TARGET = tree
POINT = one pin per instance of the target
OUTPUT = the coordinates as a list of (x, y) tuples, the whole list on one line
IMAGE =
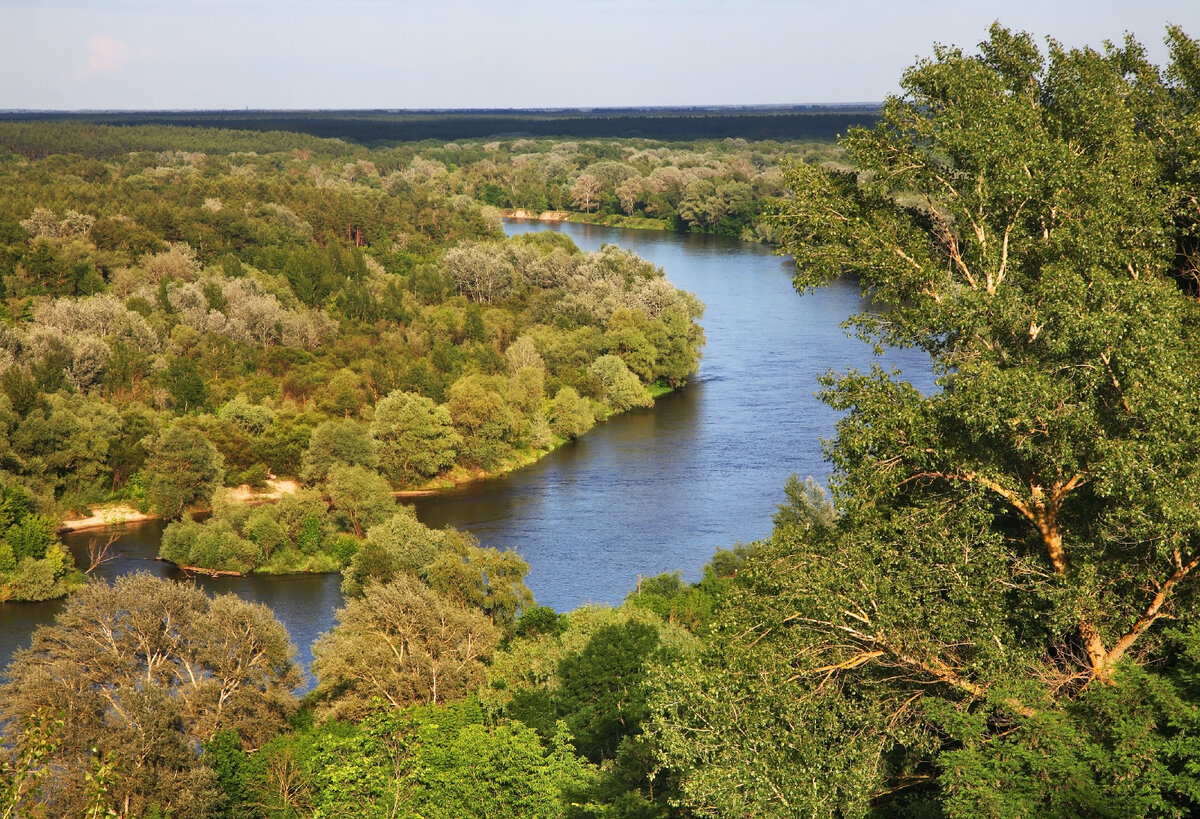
[(585, 678), (523, 353), (414, 437), (462, 766), (34, 564), (432, 761), (185, 384), (347, 442), (403, 643), (630, 192), (480, 270), (1012, 542), (807, 506), (622, 389), (570, 415), (142, 672), (449, 561), (358, 496), (483, 420), (214, 544), (182, 468), (584, 191), (20, 776)]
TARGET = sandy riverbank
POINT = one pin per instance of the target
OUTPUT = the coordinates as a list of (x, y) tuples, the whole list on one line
[(118, 514)]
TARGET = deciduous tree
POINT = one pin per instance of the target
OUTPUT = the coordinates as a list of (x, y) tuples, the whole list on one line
[(142, 672), (1009, 545), (403, 643), (414, 437), (182, 468)]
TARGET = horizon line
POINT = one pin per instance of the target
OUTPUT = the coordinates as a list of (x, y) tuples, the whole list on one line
[(474, 109)]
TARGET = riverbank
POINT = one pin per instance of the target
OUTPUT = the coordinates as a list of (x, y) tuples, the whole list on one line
[(107, 515), (461, 475), (104, 516), (605, 220)]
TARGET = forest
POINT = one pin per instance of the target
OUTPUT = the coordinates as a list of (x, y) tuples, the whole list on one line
[(376, 128), (990, 612), (180, 321)]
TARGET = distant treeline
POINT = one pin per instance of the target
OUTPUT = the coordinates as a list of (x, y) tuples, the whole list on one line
[(801, 122)]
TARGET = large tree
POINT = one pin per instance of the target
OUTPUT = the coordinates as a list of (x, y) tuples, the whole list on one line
[(414, 437), (183, 468), (1010, 543), (141, 673), (402, 643)]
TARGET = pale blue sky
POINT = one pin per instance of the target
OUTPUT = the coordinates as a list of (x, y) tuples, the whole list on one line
[(153, 54)]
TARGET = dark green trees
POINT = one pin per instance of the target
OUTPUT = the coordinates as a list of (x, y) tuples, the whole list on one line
[(34, 565), (1021, 215), (182, 468)]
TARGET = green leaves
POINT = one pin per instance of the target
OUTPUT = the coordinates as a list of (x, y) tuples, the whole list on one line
[(144, 671), (978, 632)]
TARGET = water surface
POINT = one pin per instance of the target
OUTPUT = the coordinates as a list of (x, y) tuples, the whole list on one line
[(660, 489)]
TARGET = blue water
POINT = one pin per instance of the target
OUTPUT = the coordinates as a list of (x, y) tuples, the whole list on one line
[(659, 490)]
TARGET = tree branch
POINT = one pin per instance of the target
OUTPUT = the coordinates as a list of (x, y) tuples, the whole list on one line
[(1153, 612)]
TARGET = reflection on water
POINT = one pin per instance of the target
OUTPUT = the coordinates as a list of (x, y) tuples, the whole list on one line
[(645, 492)]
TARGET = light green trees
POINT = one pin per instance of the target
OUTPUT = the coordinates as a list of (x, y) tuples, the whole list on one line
[(448, 561), (403, 643), (622, 389), (570, 414), (485, 423), (432, 761), (358, 497), (143, 671), (215, 545), (414, 437)]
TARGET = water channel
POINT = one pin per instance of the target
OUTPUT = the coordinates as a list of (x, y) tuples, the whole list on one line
[(646, 492)]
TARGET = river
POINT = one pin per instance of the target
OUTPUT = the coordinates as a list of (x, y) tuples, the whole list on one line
[(646, 492)]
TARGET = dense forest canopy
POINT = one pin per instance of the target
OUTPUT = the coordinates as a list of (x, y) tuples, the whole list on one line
[(373, 128), (710, 185), (993, 614), (1000, 620)]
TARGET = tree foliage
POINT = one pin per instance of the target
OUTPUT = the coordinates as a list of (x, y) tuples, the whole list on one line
[(987, 609), (182, 468), (280, 302), (402, 643), (414, 437), (34, 564), (142, 672)]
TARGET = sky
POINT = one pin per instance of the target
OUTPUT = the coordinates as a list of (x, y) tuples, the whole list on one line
[(354, 54)]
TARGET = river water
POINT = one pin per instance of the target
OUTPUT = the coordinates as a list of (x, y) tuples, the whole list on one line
[(646, 492)]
